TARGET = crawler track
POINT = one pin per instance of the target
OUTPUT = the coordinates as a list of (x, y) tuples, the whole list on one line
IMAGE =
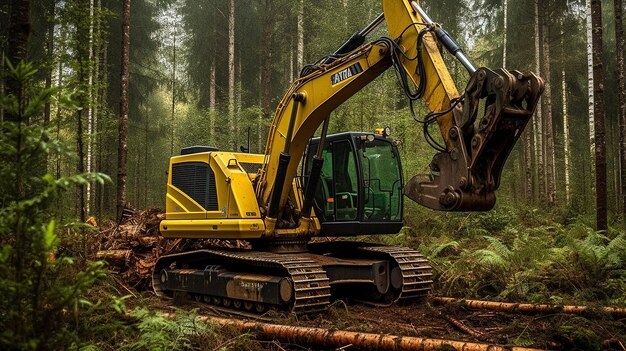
[(310, 283), (416, 270), (410, 276)]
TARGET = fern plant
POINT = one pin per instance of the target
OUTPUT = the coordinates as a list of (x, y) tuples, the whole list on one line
[(184, 332), (597, 258), (509, 270)]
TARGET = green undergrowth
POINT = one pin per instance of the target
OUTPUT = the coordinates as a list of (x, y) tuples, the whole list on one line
[(520, 254)]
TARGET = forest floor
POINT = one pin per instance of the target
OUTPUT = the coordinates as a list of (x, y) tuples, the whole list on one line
[(555, 331), (423, 320)]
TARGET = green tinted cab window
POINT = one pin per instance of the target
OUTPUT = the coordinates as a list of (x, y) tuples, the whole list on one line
[(381, 182), (346, 181)]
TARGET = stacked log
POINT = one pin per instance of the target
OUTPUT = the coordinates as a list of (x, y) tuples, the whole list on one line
[(133, 246)]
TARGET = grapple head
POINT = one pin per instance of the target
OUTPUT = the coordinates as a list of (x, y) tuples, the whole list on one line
[(466, 176)]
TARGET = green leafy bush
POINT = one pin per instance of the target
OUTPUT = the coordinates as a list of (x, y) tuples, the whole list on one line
[(42, 292)]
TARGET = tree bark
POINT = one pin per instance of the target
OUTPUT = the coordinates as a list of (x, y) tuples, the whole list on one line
[(122, 151), (58, 107), (599, 112), (300, 30), (566, 139), (212, 90), (173, 117), (291, 62), (566, 128), (231, 71), (3, 57), (91, 105), (99, 198), (528, 165), (591, 96), (80, 162), (547, 115), (267, 41), (17, 49), (539, 132), (212, 81), (505, 10), (621, 94), (146, 150), (50, 52)]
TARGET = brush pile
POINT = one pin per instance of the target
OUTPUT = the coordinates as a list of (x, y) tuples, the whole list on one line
[(133, 246)]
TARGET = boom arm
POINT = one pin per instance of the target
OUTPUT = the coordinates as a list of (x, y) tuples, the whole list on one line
[(321, 92), (466, 171)]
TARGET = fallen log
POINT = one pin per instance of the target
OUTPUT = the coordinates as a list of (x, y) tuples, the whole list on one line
[(328, 338), (528, 307), (115, 257)]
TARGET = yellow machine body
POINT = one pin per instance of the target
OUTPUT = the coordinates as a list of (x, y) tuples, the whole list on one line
[(236, 213)]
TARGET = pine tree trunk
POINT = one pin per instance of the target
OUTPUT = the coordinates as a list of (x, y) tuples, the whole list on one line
[(231, 71), (239, 91), (621, 93), (90, 106), (599, 112), (261, 130), (173, 111), (80, 162), (591, 96), (566, 139), (300, 29), (3, 57), (291, 63), (566, 128), (102, 96), (146, 150), (212, 79), (50, 52), (18, 37), (266, 70), (58, 106), (547, 116), (539, 132), (95, 159), (212, 96), (505, 10), (122, 152), (528, 165)]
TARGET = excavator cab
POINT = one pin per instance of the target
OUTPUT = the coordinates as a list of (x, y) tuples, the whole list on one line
[(360, 187)]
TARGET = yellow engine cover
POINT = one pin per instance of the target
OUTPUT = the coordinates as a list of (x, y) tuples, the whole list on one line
[(210, 195)]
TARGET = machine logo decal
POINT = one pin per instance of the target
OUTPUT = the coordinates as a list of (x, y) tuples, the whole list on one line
[(346, 73)]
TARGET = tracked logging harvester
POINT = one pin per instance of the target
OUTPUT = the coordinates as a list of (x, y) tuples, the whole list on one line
[(350, 184)]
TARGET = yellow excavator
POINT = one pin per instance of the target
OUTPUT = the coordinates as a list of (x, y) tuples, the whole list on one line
[(349, 184)]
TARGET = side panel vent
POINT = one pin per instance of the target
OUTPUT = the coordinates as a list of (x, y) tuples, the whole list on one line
[(197, 180)]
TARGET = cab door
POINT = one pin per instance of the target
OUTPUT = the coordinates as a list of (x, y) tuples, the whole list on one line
[(337, 197)]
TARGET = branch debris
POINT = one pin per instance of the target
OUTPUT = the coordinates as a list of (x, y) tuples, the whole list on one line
[(133, 247)]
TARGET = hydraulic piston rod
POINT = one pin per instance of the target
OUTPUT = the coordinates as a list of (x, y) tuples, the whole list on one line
[(445, 39)]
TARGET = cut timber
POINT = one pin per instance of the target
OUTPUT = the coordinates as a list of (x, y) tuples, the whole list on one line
[(528, 307), (115, 257), (326, 338)]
